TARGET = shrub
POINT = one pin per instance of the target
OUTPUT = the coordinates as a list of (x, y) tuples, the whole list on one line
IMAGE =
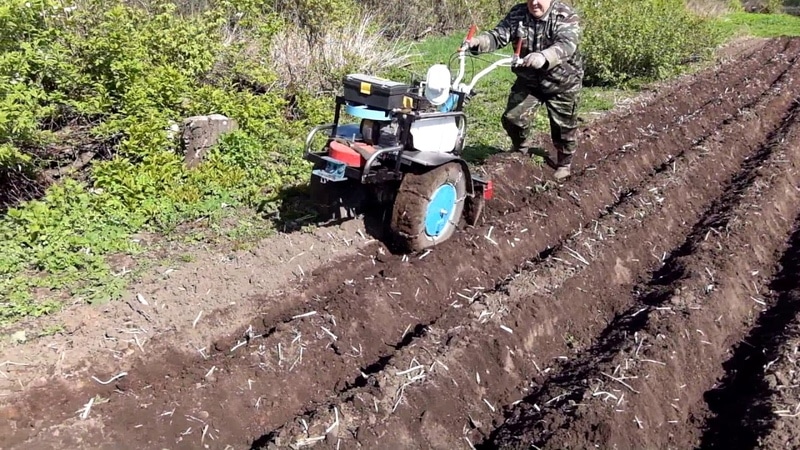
[(128, 72), (625, 40), (33, 60)]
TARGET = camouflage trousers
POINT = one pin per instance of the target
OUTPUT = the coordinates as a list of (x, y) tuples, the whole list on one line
[(562, 111)]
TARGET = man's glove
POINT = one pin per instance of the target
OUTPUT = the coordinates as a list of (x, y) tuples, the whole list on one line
[(479, 44), (535, 60)]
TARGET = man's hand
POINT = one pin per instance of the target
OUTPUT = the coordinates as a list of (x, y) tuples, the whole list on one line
[(478, 44), (535, 60)]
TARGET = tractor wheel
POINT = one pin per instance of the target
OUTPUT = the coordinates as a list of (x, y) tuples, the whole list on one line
[(335, 200), (428, 207)]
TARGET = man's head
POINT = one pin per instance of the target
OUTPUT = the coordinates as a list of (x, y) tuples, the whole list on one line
[(537, 8)]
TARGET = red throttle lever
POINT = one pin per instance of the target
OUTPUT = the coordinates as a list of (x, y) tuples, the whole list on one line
[(517, 49), (472, 30)]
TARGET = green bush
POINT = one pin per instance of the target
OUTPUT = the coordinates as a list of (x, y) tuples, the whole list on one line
[(32, 59), (129, 74), (625, 40), (12, 158)]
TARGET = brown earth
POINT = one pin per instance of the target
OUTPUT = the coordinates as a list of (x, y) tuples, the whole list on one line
[(634, 306)]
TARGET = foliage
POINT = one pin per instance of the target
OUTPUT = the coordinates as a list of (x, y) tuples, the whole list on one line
[(133, 73), (11, 158), (61, 240), (316, 18), (626, 40)]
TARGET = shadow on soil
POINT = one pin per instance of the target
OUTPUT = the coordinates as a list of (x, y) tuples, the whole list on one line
[(478, 154), (17, 187), (297, 211), (742, 413)]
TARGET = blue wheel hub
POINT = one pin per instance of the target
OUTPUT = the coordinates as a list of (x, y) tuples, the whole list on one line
[(440, 209)]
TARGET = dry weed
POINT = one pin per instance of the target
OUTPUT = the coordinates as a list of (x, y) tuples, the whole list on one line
[(712, 8), (319, 64)]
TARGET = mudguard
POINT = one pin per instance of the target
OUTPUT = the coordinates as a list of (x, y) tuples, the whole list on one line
[(435, 159)]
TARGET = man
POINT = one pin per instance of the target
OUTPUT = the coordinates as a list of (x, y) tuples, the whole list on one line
[(551, 73)]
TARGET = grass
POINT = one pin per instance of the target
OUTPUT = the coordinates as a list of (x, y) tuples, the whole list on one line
[(759, 25)]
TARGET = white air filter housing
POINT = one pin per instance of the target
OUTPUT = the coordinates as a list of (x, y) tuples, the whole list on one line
[(437, 84)]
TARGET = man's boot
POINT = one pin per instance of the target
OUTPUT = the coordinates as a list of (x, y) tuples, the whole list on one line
[(519, 145), (529, 147), (563, 165), (524, 151)]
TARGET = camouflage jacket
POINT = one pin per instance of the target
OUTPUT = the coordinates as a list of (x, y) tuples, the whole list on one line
[(556, 35)]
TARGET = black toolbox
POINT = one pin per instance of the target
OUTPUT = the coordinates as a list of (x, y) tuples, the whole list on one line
[(376, 92)]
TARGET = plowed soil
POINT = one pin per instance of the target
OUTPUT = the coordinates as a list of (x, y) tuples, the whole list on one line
[(651, 301)]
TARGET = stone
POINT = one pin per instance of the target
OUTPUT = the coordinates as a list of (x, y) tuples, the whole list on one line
[(200, 133)]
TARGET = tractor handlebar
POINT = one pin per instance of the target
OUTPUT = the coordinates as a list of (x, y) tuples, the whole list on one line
[(511, 61)]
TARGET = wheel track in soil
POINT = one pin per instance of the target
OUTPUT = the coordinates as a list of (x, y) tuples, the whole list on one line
[(190, 378), (564, 412), (761, 386), (464, 358)]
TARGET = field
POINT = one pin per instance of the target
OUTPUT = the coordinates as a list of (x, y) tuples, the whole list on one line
[(651, 301)]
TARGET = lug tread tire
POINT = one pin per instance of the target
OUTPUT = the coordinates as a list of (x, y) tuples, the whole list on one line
[(410, 206)]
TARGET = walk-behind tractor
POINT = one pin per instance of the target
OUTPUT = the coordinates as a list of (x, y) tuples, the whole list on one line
[(402, 155)]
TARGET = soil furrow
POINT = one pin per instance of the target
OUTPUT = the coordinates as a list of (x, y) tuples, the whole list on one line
[(350, 298), (324, 414), (458, 352), (712, 92), (761, 387), (782, 377), (702, 284)]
